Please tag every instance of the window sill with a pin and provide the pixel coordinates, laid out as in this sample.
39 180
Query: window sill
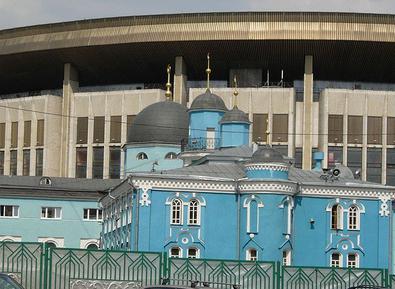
53 219
9 217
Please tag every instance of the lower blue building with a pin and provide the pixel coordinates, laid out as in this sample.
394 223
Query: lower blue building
238 204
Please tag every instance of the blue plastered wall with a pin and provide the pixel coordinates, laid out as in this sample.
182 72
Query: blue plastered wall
234 134
200 120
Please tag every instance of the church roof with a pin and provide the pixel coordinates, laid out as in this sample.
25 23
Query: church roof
208 101
235 115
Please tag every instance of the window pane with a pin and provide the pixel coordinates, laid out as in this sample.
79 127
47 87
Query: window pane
14 134
27 133
354 159
82 130
80 163
390 131
335 155
97 165
115 129
13 162
40 132
1 163
391 167
298 157
374 165
92 214
26 162
2 135
98 129
354 128
335 128
115 162
86 211
280 128
374 130
259 127
39 161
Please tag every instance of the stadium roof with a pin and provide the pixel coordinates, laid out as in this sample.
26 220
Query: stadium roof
345 46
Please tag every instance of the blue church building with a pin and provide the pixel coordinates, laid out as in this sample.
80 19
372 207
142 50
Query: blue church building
233 200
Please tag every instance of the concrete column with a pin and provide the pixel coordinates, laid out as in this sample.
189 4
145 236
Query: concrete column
308 113
291 124
70 85
180 81
365 139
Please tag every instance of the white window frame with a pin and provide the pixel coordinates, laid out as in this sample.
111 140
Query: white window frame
248 254
287 258
179 252
340 260
356 226
193 221
15 211
141 156
197 255
88 213
356 260
46 213
179 220
340 221
171 156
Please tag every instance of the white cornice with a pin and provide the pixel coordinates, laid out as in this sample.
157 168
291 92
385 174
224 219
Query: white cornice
346 192
267 166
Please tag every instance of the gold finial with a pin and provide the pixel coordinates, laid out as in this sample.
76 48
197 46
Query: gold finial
168 84
235 92
267 132
208 70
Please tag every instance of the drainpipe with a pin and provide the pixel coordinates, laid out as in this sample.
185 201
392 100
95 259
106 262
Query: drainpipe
136 218
238 195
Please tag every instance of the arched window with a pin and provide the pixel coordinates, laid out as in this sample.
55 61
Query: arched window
352 260
50 244
251 255
336 260
337 217
142 156
176 212
171 156
194 212
92 247
175 252
193 253
353 218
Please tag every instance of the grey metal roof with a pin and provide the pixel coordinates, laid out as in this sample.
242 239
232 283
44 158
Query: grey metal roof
243 151
162 122
209 101
223 170
235 115
265 154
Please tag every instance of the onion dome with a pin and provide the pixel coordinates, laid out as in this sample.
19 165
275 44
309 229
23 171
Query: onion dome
208 101
235 115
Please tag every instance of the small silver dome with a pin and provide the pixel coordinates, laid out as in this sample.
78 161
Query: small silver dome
208 101
235 115
266 154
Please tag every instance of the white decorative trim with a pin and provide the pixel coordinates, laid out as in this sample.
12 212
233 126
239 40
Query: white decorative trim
346 192
84 243
5 238
104 284
384 208
267 187
59 242
144 198
267 166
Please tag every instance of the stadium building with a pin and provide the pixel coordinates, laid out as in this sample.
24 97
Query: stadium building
315 81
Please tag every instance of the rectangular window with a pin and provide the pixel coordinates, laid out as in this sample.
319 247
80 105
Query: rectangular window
80 163
354 159
13 162
2 135
373 173
252 255
82 130
298 157
335 260
354 129
40 132
352 261
39 162
335 155
27 133
98 129
1 163
93 214
259 127
391 167
280 128
97 165
390 131
14 134
9 211
335 129
287 258
26 162
115 162
115 129
51 213
374 130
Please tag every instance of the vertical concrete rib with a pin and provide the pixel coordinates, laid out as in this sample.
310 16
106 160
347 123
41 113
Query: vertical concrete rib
307 113
180 81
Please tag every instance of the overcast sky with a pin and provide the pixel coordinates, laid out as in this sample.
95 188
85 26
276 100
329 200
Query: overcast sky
16 13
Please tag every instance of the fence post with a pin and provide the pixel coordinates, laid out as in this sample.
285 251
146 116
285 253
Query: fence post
164 274
44 266
278 269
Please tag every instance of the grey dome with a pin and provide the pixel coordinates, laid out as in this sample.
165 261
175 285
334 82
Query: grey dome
208 101
235 115
266 154
162 122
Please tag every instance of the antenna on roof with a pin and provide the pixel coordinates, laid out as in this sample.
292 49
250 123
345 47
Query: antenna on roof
282 78
168 84
208 71
235 92
267 78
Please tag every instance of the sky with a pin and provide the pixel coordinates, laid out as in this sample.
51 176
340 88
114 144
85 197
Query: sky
17 13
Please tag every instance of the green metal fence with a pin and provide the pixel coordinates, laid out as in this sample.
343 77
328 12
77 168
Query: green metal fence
78 266
391 281
330 278
24 261
222 273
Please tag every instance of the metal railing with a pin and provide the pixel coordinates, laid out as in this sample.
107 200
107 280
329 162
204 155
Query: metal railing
200 144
